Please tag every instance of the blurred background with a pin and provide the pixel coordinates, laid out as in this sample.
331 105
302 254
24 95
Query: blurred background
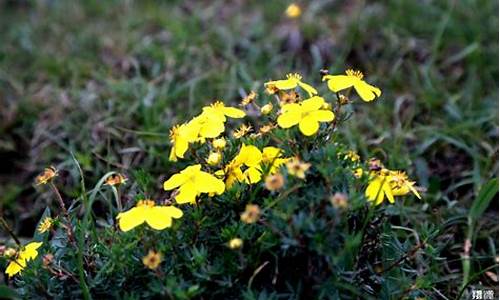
105 80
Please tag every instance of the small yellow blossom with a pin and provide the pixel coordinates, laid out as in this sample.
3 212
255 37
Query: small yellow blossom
251 214
358 172
366 91
46 176
339 200
401 185
274 182
146 211
152 260
379 188
242 131
235 243
181 136
293 11
351 155
387 183
219 111
24 255
219 143
45 225
248 98
306 114
115 179
266 128
291 82
192 181
297 168
214 158
266 109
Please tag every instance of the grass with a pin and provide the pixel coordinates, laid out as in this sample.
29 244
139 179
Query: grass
106 80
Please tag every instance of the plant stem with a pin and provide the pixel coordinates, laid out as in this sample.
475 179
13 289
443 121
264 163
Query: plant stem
7 228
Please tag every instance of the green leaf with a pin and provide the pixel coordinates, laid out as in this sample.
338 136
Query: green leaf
482 201
8 293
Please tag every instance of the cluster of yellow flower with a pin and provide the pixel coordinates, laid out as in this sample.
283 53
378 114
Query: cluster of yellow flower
250 165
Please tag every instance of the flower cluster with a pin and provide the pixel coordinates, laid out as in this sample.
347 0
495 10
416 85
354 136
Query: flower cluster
278 151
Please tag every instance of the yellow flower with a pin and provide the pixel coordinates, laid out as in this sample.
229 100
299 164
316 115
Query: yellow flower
266 109
297 168
46 176
214 158
232 174
306 114
45 225
248 98
293 11
242 131
272 156
219 111
152 260
251 214
379 188
235 243
219 143
358 172
181 136
115 179
401 185
366 91
351 155
27 253
274 182
192 181
291 82
387 183
157 217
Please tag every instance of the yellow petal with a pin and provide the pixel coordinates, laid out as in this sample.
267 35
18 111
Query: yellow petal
233 112
187 193
340 82
207 183
374 191
132 218
212 129
181 146
311 104
367 92
174 181
252 175
160 217
322 115
285 84
249 155
309 126
308 88
388 191
289 119
30 251
15 267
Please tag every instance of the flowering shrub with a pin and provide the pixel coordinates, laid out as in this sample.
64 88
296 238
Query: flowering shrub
278 207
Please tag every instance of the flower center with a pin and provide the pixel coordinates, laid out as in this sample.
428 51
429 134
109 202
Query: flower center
146 202
294 76
354 73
